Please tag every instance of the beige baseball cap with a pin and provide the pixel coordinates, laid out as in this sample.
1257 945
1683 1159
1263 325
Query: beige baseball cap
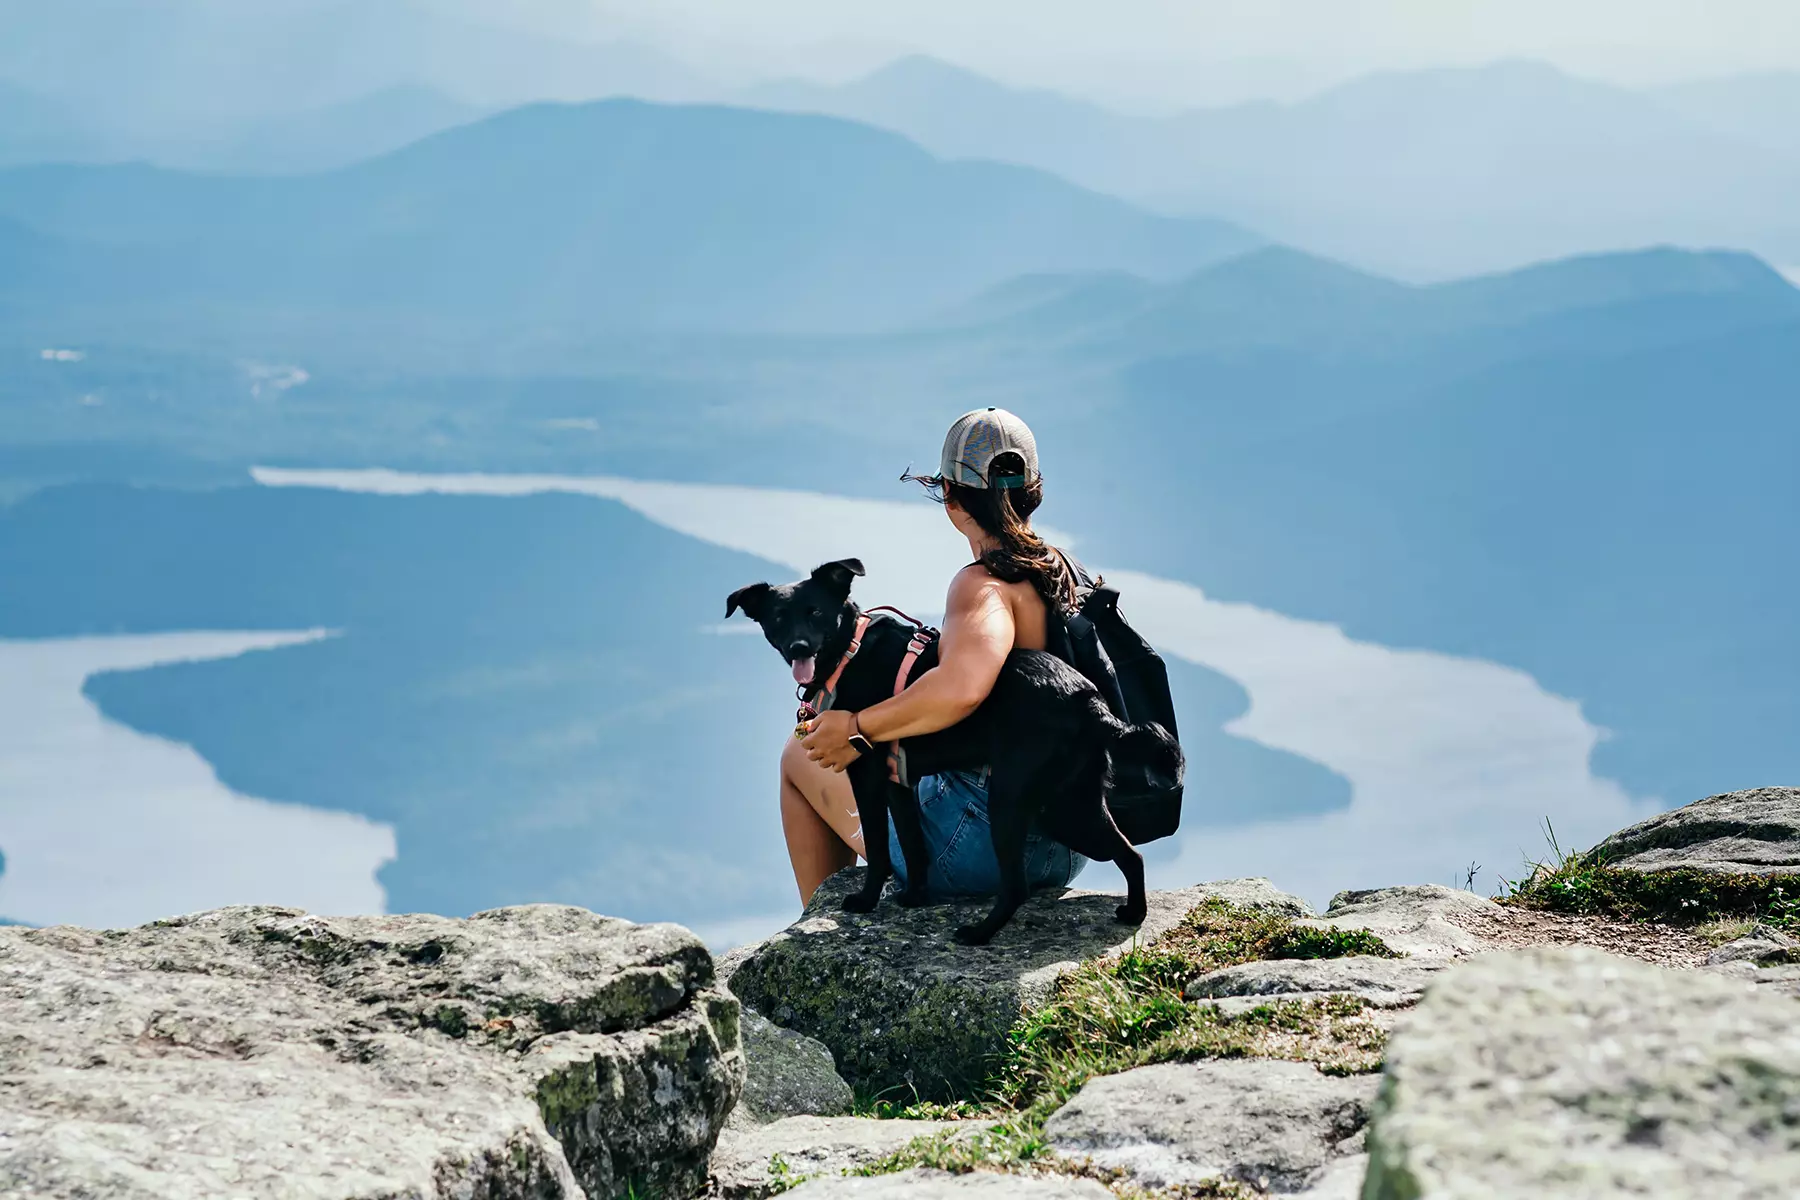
977 438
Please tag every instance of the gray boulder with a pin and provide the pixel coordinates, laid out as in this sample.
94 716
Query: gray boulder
787 1074
1763 946
938 1185
526 1052
1423 921
1341 1179
761 1161
1755 832
907 1011
1779 980
1568 1072
1273 1124
1382 981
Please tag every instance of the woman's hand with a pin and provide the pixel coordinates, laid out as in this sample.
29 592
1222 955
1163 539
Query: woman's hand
827 739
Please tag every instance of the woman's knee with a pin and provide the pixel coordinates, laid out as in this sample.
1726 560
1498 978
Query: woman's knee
794 763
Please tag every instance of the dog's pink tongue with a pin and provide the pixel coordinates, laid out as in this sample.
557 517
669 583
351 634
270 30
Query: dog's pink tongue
803 671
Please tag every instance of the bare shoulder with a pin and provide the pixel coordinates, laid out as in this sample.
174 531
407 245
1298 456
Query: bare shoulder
972 585
975 585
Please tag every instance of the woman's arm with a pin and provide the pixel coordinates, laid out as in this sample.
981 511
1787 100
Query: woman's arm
978 635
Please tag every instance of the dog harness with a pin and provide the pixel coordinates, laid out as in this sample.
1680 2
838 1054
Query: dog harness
822 700
825 697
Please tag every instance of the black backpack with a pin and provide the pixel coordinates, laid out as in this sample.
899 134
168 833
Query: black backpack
1096 640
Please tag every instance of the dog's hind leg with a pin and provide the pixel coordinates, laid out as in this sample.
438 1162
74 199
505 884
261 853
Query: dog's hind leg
1131 864
1086 825
869 782
903 803
1009 821
1093 832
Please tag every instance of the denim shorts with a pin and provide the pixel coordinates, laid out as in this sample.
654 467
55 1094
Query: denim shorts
953 808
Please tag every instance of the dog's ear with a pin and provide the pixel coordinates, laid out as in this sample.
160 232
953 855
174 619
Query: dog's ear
751 599
838 575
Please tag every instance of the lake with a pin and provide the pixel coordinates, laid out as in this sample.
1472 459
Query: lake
1320 760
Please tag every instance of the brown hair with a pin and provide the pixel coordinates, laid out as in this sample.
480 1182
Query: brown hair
1004 514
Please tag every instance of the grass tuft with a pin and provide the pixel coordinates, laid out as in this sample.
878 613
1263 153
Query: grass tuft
1111 1015
1583 883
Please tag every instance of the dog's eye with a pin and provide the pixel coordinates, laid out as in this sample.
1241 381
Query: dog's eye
813 612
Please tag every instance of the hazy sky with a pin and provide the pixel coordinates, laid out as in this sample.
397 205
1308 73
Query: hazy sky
190 62
1170 47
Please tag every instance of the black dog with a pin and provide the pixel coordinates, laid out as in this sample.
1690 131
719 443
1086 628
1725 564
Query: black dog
1044 732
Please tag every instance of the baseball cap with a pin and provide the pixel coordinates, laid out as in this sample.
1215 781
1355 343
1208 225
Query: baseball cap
977 438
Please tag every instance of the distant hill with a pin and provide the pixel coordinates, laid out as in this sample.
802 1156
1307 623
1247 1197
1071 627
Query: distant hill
35 128
1424 174
1281 297
338 135
1761 109
615 214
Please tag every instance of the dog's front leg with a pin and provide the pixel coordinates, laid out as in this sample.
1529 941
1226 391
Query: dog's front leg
904 803
869 783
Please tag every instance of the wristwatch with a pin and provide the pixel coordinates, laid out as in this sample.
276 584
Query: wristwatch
858 742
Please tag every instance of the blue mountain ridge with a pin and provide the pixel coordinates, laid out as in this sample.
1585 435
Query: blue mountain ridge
617 213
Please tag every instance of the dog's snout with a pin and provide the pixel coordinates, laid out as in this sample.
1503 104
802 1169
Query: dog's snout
799 650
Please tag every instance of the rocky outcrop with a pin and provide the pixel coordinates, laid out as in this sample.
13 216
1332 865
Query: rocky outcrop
1754 832
1426 921
1275 1125
1763 946
787 1074
759 1161
1566 1071
937 1185
906 1010
535 1052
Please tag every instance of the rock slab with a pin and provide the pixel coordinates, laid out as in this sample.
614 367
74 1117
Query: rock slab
540 1052
761 1161
1765 946
1755 832
1265 1122
1568 1072
1425 921
1383 981
938 1185
787 1074
908 1012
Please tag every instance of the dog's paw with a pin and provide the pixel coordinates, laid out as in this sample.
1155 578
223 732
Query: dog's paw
1131 914
913 899
973 935
861 902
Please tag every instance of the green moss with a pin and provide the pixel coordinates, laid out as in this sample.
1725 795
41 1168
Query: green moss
451 1019
1111 1015
565 1095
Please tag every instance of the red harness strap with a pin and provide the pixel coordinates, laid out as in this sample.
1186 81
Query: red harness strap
808 710
920 640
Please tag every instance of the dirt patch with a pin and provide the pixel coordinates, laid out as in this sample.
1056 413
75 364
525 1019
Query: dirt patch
1515 928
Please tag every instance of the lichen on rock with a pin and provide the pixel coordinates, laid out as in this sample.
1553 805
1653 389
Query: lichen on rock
1566 1071
532 1052
908 1012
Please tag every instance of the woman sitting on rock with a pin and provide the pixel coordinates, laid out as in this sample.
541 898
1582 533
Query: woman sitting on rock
989 485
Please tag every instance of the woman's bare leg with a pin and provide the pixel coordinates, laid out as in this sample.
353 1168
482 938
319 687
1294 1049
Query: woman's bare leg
818 815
